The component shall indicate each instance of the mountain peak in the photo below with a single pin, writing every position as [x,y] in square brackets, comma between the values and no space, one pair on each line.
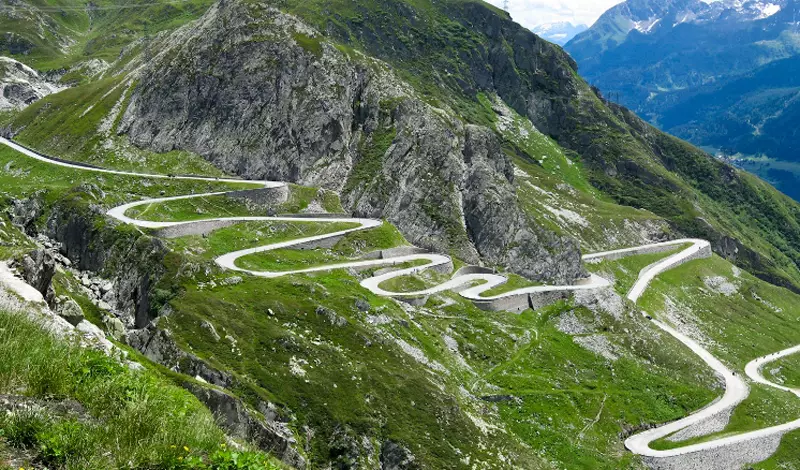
[559,32]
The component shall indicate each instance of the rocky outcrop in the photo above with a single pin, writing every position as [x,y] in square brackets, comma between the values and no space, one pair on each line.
[38,269]
[396,457]
[69,310]
[259,93]
[158,345]
[20,85]
[132,262]
[240,422]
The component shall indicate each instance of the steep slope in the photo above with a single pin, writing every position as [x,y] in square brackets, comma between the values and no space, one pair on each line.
[57,34]
[469,133]
[363,129]
[753,116]
[685,70]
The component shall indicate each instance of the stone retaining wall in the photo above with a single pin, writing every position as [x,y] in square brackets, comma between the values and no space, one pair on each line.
[731,457]
[397,251]
[203,227]
[520,302]
[262,196]
[466,270]
[646,250]
[326,243]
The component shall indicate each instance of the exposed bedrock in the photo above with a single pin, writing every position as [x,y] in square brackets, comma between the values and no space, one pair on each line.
[260,94]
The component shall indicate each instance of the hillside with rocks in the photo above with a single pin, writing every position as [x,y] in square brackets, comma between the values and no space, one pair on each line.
[385,235]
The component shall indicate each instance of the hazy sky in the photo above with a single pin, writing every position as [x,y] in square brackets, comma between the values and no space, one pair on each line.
[530,13]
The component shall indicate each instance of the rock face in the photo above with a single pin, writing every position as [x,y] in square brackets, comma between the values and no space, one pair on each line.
[69,310]
[281,103]
[20,85]
[38,269]
[242,423]
[133,263]
[396,457]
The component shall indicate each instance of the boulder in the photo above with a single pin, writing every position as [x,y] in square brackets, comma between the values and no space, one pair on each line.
[70,310]
[242,423]
[114,327]
[38,269]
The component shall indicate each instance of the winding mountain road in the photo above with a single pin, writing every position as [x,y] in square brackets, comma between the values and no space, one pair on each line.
[736,389]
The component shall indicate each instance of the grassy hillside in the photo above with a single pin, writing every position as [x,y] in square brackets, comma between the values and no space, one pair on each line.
[345,364]
[738,318]
[68,407]
[350,373]
[56,34]
[607,154]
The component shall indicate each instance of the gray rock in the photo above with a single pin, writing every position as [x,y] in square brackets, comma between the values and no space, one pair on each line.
[24,212]
[38,269]
[72,312]
[158,346]
[396,457]
[447,186]
[114,327]
[362,305]
[242,423]
[20,85]
[206,325]
[331,317]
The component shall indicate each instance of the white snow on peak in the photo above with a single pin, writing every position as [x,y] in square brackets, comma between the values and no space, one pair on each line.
[769,9]
[755,9]
[645,26]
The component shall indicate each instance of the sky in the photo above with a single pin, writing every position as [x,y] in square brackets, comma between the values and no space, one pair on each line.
[530,13]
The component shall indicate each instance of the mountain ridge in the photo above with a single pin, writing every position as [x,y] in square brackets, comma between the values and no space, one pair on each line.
[659,73]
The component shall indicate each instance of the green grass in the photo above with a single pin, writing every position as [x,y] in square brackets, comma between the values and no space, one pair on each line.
[97,33]
[492,346]
[745,318]
[199,208]
[68,124]
[382,237]
[135,419]
[785,371]
[206,207]
[289,259]
[764,407]
[405,284]
[23,176]
[514,282]
[250,235]
[624,272]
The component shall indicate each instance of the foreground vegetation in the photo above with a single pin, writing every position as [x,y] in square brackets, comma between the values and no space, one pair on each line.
[78,408]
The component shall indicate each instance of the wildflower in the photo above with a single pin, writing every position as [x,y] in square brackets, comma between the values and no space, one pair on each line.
[185,448]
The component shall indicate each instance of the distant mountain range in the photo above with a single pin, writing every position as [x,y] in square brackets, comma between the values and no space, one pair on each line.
[723,75]
[559,33]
